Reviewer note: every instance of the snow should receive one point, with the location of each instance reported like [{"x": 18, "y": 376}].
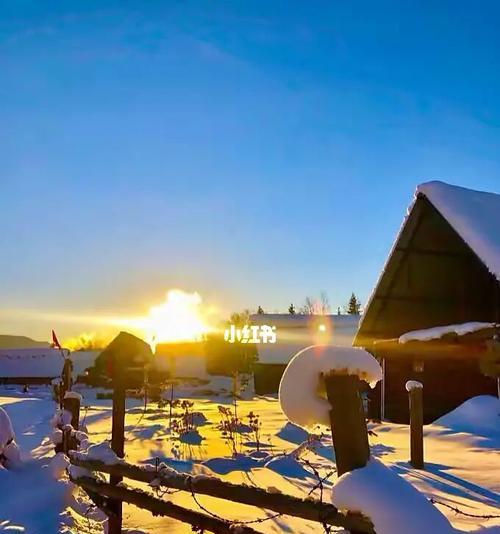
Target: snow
[
  {"x": 413, "y": 384},
  {"x": 299, "y": 388},
  {"x": 12, "y": 455},
  {"x": 393, "y": 505},
  {"x": 479, "y": 415},
  {"x": 462, "y": 469},
  {"x": 75, "y": 471},
  {"x": 61, "y": 418},
  {"x": 440, "y": 331},
  {"x": 101, "y": 452},
  {"x": 58, "y": 465},
  {"x": 475, "y": 215},
  {"x": 6, "y": 430},
  {"x": 56, "y": 436},
  {"x": 9, "y": 449},
  {"x": 73, "y": 395},
  {"x": 23, "y": 363}
]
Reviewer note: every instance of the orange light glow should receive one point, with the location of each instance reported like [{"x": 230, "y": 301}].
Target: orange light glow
[{"x": 179, "y": 318}]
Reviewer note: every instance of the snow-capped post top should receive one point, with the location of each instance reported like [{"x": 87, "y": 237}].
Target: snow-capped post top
[
  {"x": 73, "y": 395},
  {"x": 413, "y": 384},
  {"x": 301, "y": 397}
]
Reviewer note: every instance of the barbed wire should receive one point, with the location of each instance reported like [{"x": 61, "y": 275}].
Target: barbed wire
[
  {"x": 321, "y": 513},
  {"x": 228, "y": 521},
  {"x": 326, "y": 527},
  {"x": 144, "y": 409},
  {"x": 461, "y": 512},
  {"x": 158, "y": 490}
]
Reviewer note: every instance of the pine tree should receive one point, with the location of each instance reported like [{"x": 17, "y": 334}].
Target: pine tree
[
  {"x": 260, "y": 311},
  {"x": 291, "y": 309},
  {"x": 354, "y": 306}
]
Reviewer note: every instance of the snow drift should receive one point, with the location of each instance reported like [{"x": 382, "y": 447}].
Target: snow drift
[
  {"x": 393, "y": 505},
  {"x": 10, "y": 455},
  {"x": 479, "y": 415}
]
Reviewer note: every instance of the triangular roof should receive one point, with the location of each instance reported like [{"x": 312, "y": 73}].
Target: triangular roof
[
  {"x": 475, "y": 215},
  {"x": 449, "y": 237}
]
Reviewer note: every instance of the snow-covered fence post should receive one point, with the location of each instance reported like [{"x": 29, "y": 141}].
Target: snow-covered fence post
[
  {"x": 348, "y": 421},
  {"x": 66, "y": 376},
  {"x": 415, "y": 393},
  {"x": 117, "y": 441},
  {"x": 66, "y": 439},
  {"x": 71, "y": 402}
]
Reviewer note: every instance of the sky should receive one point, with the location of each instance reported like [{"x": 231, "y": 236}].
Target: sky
[{"x": 253, "y": 151}]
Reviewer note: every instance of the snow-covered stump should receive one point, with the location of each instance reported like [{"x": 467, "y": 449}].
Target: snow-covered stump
[
  {"x": 348, "y": 422},
  {"x": 416, "y": 399}
]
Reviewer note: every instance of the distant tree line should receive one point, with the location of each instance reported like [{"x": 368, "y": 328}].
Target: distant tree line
[{"x": 321, "y": 306}]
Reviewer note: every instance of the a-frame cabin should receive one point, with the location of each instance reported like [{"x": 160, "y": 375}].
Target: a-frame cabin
[{"x": 444, "y": 268}]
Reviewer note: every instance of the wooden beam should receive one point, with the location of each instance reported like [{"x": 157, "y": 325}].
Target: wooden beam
[
  {"x": 117, "y": 440},
  {"x": 411, "y": 298},
  {"x": 429, "y": 252},
  {"x": 156, "y": 506},
  {"x": 277, "y": 502}
]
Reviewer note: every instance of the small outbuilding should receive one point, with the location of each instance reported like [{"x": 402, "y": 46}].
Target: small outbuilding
[
  {"x": 441, "y": 279},
  {"x": 30, "y": 366}
]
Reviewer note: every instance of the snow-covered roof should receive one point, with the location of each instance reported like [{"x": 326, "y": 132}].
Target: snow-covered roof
[
  {"x": 299, "y": 320},
  {"x": 295, "y": 332},
  {"x": 30, "y": 363},
  {"x": 475, "y": 216},
  {"x": 438, "y": 332}
]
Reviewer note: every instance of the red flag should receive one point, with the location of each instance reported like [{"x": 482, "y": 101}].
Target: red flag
[{"x": 55, "y": 341}]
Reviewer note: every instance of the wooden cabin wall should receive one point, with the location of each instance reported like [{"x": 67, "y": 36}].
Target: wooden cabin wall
[
  {"x": 432, "y": 278},
  {"x": 447, "y": 384}
]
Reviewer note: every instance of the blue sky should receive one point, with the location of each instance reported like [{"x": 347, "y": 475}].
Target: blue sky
[{"x": 256, "y": 152}]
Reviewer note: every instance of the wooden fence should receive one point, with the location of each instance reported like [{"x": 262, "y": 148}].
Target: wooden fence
[
  {"x": 351, "y": 451},
  {"x": 281, "y": 504}
]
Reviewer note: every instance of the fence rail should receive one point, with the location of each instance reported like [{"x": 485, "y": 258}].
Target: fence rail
[{"x": 309, "y": 509}]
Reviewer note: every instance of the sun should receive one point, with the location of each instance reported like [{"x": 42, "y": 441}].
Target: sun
[{"x": 179, "y": 318}]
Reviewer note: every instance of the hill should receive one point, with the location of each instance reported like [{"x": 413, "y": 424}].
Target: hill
[{"x": 20, "y": 342}]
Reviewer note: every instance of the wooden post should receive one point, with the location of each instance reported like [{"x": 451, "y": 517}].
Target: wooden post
[
  {"x": 67, "y": 375},
  {"x": 415, "y": 394},
  {"x": 66, "y": 440},
  {"x": 117, "y": 443},
  {"x": 72, "y": 404},
  {"x": 382, "y": 392},
  {"x": 348, "y": 422}
]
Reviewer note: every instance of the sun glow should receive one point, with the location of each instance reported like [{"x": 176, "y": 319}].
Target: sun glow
[{"x": 179, "y": 318}]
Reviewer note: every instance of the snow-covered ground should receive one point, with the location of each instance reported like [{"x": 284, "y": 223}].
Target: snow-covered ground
[{"x": 462, "y": 456}]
